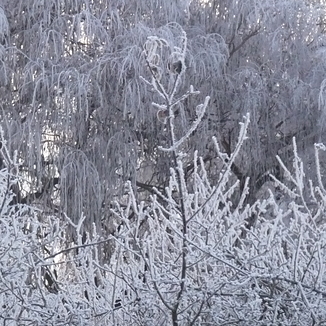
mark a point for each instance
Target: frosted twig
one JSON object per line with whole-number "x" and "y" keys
{"x": 201, "y": 112}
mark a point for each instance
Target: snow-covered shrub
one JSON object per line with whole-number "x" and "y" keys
{"x": 43, "y": 279}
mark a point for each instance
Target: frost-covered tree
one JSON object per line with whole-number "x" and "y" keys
{"x": 274, "y": 71}
{"x": 186, "y": 255}
{"x": 75, "y": 109}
